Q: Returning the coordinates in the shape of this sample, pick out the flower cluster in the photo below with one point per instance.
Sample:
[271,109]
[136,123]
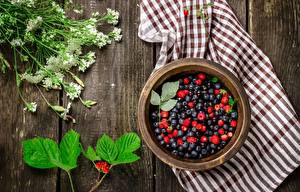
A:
[49,45]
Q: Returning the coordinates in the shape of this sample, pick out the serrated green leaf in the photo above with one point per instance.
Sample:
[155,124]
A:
[128,142]
[41,153]
[107,149]
[155,98]
[126,158]
[168,105]
[169,90]
[70,149]
[91,154]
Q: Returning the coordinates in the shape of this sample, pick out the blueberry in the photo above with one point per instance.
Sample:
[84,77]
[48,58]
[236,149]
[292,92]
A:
[219,96]
[183,115]
[199,156]
[211,97]
[211,91]
[154,115]
[172,140]
[216,128]
[175,152]
[155,124]
[162,142]
[185,145]
[159,137]
[194,154]
[181,86]
[205,96]
[225,127]
[186,86]
[195,97]
[188,112]
[180,121]
[187,98]
[190,134]
[194,129]
[184,138]
[203,151]
[163,130]
[180,133]
[212,151]
[203,87]
[178,105]
[199,106]
[157,130]
[174,110]
[180,153]
[174,145]
[230,129]
[203,145]
[213,146]
[180,148]
[210,133]
[198,148]
[225,118]
[192,145]
[217,85]
[191,87]
[167,145]
[221,111]
[208,122]
[219,148]
[191,93]
[223,143]
[216,133]
[215,101]
[234,115]
[187,155]
[173,114]
[173,122]
[184,103]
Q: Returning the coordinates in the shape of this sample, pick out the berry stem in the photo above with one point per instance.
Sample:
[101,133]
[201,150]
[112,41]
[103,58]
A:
[98,183]
[71,182]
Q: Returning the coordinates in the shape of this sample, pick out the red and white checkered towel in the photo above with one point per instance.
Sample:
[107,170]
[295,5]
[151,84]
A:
[272,149]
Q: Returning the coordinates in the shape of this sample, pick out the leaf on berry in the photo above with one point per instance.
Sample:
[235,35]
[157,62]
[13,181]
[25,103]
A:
[107,149]
[168,105]
[126,158]
[70,149]
[41,153]
[155,98]
[169,90]
[231,102]
[91,154]
[128,142]
[214,79]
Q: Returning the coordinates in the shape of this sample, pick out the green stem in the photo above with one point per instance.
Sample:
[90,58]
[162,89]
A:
[71,182]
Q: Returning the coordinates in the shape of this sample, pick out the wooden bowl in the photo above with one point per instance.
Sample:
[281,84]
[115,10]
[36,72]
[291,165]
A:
[187,66]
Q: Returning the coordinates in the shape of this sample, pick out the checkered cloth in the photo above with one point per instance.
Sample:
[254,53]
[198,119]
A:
[272,149]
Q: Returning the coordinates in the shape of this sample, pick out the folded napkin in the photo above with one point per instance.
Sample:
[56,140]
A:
[272,149]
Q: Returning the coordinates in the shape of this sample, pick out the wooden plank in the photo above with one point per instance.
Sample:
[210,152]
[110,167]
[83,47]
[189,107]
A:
[274,25]
[115,82]
[17,125]
[165,180]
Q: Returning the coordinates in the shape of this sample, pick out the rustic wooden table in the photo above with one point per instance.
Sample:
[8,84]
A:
[115,82]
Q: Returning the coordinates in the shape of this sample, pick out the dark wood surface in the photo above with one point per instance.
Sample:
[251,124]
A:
[115,82]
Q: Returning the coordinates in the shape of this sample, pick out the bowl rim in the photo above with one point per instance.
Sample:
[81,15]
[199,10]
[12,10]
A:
[184,163]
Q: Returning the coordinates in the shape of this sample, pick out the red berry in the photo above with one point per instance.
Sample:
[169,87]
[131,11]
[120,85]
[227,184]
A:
[211,115]
[217,107]
[233,123]
[184,128]
[191,139]
[181,94]
[198,82]
[224,100]
[186,81]
[203,128]
[221,131]
[164,114]
[210,109]
[105,169]
[175,132]
[227,108]
[220,122]
[194,123]
[199,126]
[191,104]
[201,76]
[186,92]
[215,139]
[224,137]
[217,91]
[201,116]
[169,129]
[203,139]
[170,135]
[179,141]
[187,122]
[229,134]
[164,123]
[185,12]
[166,139]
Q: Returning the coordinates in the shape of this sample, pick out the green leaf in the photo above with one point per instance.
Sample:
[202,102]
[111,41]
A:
[79,81]
[41,153]
[58,108]
[128,142]
[169,90]
[70,149]
[155,98]
[126,158]
[168,105]
[231,102]
[107,149]
[89,103]
[214,79]
[91,154]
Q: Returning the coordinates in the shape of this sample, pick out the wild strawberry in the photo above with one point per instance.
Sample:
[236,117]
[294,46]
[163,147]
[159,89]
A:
[210,109]
[211,115]
[203,129]
[191,104]
[166,139]
[229,134]
[164,114]
[185,12]
[224,137]
[175,132]
[227,108]
[215,139]
[191,139]
[220,122]
[187,122]
[198,81]
[203,139]
[233,123]
[103,166]
[181,94]
[170,135]
[179,141]
[199,126]
[184,128]
[217,107]
[221,131]
[217,91]
[164,124]
[186,92]
[224,100]
[105,170]
[194,123]
[221,105]
[169,129]
[201,76]
[186,81]
[201,116]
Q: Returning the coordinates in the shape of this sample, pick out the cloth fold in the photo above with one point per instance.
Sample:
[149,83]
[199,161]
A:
[272,149]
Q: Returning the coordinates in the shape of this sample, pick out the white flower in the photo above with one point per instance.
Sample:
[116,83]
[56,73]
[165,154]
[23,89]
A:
[95,14]
[16,42]
[112,16]
[33,24]
[31,107]
[116,34]
[87,61]
[73,90]
[35,79]
[28,3]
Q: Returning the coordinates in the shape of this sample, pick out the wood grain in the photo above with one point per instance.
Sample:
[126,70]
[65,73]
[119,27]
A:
[115,82]
[17,125]
[274,25]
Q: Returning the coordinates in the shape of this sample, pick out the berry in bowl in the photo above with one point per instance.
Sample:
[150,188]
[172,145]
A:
[193,114]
